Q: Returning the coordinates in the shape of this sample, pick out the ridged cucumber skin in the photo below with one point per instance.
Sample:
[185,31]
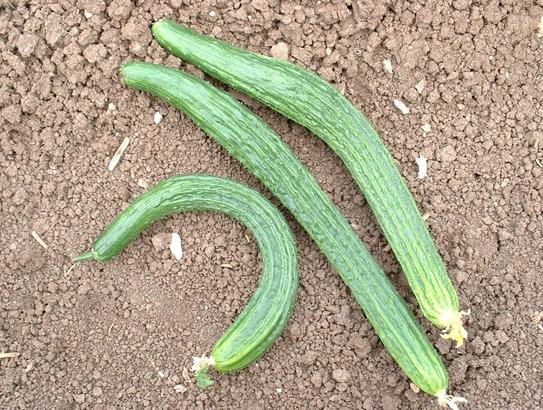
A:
[266,314]
[305,98]
[248,139]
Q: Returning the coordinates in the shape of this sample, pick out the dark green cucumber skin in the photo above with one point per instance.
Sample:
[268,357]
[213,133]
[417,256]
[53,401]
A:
[266,314]
[305,98]
[248,139]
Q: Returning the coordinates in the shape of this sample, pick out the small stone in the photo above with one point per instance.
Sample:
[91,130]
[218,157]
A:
[157,118]
[421,162]
[179,388]
[280,50]
[142,183]
[414,388]
[420,86]
[387,66]
[212,13]
[426,127]
[341,375]
[185,374]
[401,106]
[175,246]
[97,391]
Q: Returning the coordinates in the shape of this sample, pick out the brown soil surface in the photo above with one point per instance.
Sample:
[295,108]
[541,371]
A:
[122,334]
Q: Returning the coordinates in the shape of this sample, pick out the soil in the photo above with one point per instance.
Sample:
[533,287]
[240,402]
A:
[123,333]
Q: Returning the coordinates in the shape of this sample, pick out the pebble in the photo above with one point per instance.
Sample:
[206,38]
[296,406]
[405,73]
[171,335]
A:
[422,165]
[175,246]
[420,86]
[280,50]
[387,66]
[97,391]
[426,127]
[401,107]
[179,388]
[157,118]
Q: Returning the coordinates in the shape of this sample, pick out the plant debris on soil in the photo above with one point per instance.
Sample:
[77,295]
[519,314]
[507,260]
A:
[123,333]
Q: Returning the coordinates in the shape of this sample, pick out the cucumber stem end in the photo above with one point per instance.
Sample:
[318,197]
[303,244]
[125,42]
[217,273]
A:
[444,399]
[200,366]
[91,255]
[454,329]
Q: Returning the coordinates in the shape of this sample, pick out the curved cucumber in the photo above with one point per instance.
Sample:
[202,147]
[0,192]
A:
[249,140]
[310,101]
[267,312]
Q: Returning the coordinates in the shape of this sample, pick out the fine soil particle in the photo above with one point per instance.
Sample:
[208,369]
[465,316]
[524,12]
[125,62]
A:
[123,333]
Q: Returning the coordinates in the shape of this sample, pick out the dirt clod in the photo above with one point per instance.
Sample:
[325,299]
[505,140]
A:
[341,375]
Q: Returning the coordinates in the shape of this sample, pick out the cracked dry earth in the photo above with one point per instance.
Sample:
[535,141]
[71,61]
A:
[122,334]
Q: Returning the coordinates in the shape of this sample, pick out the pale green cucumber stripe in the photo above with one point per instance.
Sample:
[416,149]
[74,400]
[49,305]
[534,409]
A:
[249,140]
[272,302]
[310,101]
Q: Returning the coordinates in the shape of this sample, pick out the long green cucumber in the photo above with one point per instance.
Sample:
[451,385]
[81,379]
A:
[305,98]
[259,149]
[266,314]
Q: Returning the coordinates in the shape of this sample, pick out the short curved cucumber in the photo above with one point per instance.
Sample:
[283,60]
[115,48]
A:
[266,314]
[249,140]
[310,101]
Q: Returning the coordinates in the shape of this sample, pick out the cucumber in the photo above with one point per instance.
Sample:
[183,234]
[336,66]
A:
[310,101]
[259,149]
[266,314]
